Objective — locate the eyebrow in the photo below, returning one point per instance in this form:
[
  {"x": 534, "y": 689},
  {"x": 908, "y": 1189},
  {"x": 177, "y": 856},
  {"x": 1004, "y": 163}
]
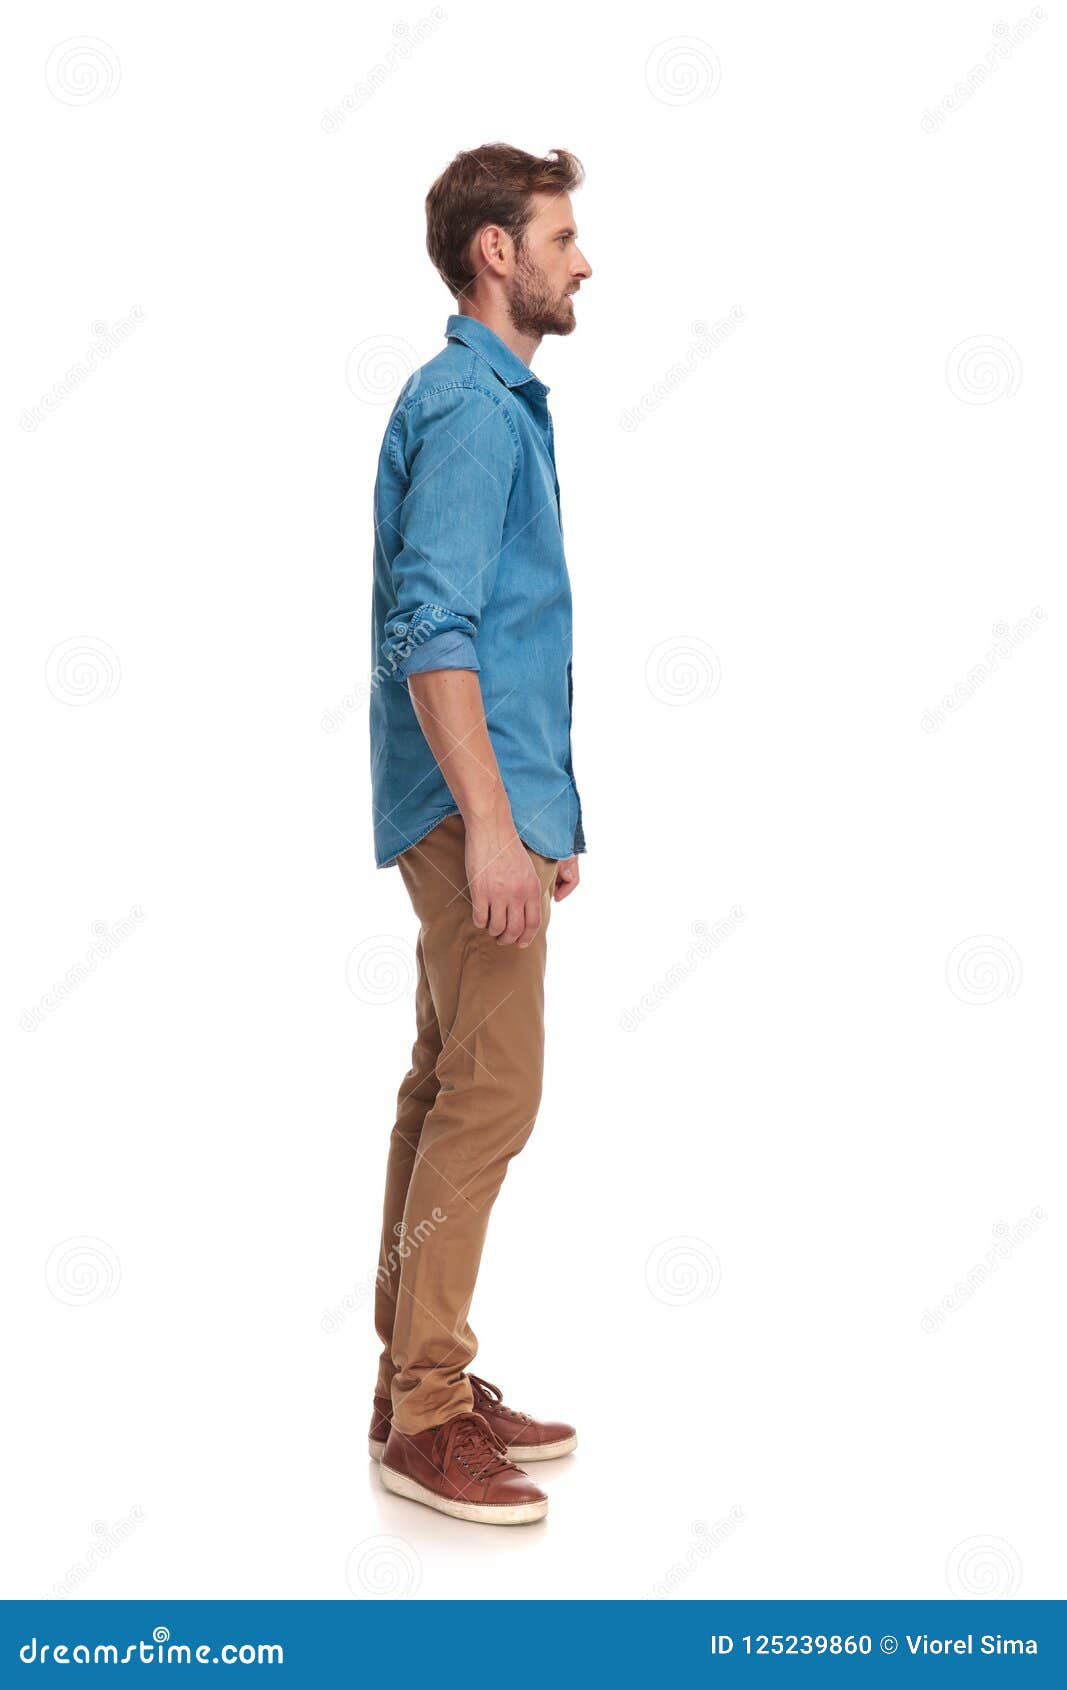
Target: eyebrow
[{"x": 566, "y": 230}]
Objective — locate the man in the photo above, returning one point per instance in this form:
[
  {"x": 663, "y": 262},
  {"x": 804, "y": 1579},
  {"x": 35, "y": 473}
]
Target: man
[{"x": 475, "y": 800}]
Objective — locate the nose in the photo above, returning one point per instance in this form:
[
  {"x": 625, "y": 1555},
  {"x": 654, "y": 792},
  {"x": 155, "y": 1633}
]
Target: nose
[{"x": 582, "y": 268}]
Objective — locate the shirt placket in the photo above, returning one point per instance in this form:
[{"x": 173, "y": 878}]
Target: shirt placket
[
  {"x": 555, "y": 477},
  {"x": 579, "y": 834}
]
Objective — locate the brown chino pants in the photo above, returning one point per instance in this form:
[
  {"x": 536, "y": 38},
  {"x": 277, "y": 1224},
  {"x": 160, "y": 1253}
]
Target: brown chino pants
[{"x": 466, "y": 1106}]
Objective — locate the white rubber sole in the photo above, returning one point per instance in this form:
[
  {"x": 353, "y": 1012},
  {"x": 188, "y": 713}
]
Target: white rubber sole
[
  {"x": 482, "y": 1514},
  {"x": 522, "y": 1453},
  {"x": 519, "y": 1453}
]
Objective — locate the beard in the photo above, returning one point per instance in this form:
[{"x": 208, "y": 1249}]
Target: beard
[{"x": 534, "y": 308}]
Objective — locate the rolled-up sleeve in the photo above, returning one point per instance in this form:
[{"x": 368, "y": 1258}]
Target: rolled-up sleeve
[{"x": 456, "y": 451}]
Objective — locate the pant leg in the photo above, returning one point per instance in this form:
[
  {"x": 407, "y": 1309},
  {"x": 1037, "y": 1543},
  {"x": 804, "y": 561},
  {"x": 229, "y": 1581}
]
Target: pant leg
[
  {"x": 489, "y": 1004},
  {"x": 418, "y": 1090}
]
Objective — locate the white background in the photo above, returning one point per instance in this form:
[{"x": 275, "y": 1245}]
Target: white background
[{"x": 718, "y": 1252}]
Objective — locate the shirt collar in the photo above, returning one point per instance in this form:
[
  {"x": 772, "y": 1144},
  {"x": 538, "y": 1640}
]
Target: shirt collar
[{"x": 488, "y": 345}]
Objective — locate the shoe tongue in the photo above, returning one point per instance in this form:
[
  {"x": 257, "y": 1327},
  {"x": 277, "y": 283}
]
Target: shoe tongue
[
  {"x": 482, "y": 1388},
  {"x": 472, "y": 1432},
  {"x": 493, "y": 1399},
  {"x": 474, "y": 1427}
]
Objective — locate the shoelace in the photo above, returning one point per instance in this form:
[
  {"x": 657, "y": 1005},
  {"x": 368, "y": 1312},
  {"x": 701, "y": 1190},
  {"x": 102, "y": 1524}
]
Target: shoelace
[
  {"x": 469, "y": 1436},
  {"x": 492, "y": 1397}
]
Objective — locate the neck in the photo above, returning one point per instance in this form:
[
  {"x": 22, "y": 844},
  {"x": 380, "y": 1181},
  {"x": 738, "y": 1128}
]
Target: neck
[{"x": 496, "y": 317}]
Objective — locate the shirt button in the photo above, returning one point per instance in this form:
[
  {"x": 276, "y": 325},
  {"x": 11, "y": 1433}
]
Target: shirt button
[{"x": 401, "y": 627}]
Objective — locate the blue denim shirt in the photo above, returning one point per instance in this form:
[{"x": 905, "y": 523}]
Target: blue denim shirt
[{"x": 469, "y": 573}]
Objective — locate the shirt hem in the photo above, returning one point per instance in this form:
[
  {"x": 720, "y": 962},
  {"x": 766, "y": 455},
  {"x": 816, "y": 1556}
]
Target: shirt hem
[{"x": 553, "y": 856}]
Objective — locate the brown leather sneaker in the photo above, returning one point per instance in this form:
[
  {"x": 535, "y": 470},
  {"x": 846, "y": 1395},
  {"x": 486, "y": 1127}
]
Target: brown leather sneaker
[
  {"x": 461, "y": 1469},
  {"x": 526, "y": 1439},
  {"x": 380, "y": 1423}
]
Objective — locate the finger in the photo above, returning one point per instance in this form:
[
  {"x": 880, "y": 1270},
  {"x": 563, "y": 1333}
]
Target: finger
[
  {"x": 498, "y": 917},
  {"x": 516, "y": 923},
  {"x": 533, "y": 921},
  {"x": 565, "y": 884},
  {"x": 479, "y": 908}
]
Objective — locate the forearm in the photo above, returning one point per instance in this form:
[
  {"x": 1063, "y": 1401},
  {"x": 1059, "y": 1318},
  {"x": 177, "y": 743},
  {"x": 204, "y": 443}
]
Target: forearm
[{"x": 450, "y": 712}]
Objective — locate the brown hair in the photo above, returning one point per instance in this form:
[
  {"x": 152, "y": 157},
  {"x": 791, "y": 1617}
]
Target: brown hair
[{"x": 490, "y": 184}]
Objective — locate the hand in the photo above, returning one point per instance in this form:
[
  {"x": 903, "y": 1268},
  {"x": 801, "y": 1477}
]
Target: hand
[
  {"x": 505, "y": 891},
  {"x": 566, "y": 878}
]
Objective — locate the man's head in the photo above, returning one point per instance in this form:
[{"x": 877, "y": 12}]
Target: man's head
[{"x": 500, "y": 228}]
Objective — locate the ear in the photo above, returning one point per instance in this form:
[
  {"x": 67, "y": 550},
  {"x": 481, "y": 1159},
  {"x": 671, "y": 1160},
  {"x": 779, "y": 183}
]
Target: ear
[{"x": 493, "y": 249}]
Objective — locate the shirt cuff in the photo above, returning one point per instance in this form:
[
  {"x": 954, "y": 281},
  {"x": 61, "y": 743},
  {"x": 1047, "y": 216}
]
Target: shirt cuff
[
  {"x": 451, "y": 650},
  {"x": 424, "y": 640}
]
